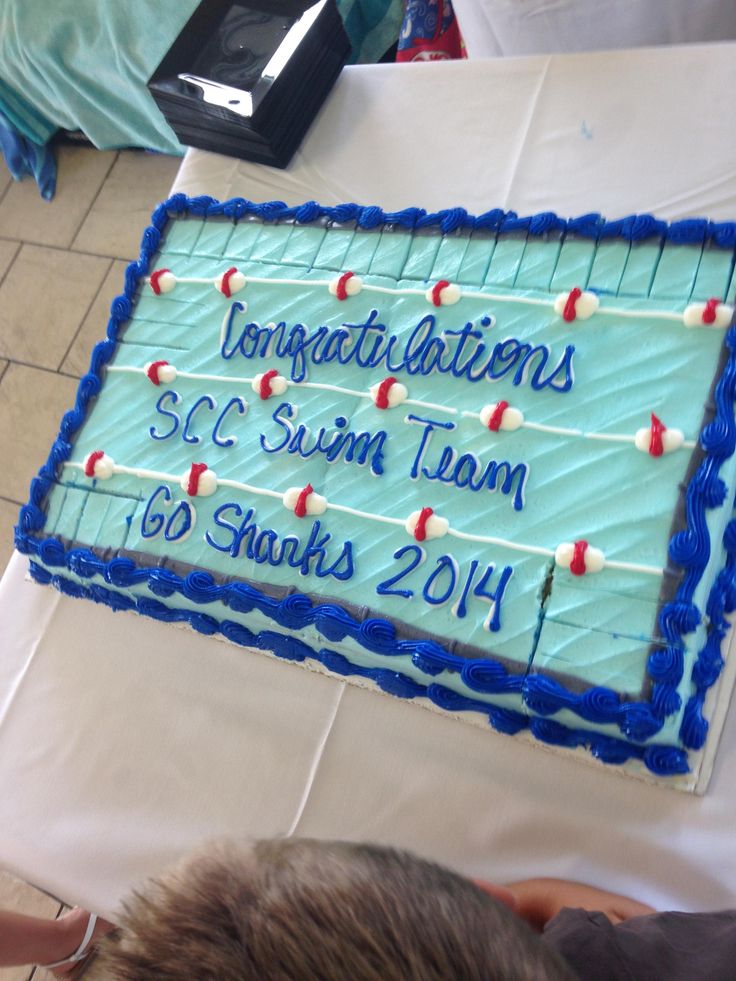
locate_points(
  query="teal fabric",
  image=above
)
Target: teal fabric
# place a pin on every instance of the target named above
(28, 123)
(372, 26)
(84, 64)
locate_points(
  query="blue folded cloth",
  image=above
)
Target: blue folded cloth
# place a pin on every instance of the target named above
(26, 158)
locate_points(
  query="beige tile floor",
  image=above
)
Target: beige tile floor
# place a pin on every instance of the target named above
(61, 263)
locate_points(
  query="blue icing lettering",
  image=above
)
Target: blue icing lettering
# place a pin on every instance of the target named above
(442, 584)
(494, 597)
(435, 594)
(177, 526)
(360, 448)
(202, 400)
(180, 524)
(245, 538)
(418, 556)
(174, 398)
(429, 426)
(235, 403)
(462, 353)
(153, 523)
(466, 469)
(188, 433)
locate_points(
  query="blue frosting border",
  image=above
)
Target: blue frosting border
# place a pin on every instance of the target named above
(690, 548)
(661, 760)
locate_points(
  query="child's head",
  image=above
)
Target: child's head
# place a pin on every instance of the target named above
(303, 910)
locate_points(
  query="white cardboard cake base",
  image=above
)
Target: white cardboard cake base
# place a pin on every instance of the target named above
(696, 781)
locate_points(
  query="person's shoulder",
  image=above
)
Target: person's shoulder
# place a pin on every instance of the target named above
(669, 946)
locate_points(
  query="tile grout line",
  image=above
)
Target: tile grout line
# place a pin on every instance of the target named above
(10, 500)
(38, 367)
(19, 246)
(93, 202)
(9, 185)
(61, 248)
(86, 313)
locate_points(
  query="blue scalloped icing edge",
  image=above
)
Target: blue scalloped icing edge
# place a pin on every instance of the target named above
(689, 548)
(661, 760)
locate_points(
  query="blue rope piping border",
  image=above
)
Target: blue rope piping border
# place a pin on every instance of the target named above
(660, 760)
(689, 548)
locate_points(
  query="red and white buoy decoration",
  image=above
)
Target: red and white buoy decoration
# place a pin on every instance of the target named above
(160, 371)
(229, 282)
(389, 393)
(345, 285)
(425, 524)
(268, 383)
(162, 281)
(304, 501)
(577, 304)
(443, 293)
(579, 557)
(657, 439)
(501, 415)
(713, 313)
(199, 481)
(98, 465)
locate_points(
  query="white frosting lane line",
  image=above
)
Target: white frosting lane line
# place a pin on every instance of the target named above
(513, 546)
(581, 433)
(197, 376)
(319, 386)
(180, 480)
(464, 294)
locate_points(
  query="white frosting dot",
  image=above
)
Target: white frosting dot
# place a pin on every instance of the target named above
(672, 439)
(166, 372)
(585, 305)
(236, 282)
(315, 503)
(207, 483)
(278, 384)
(594, 559)
(511, 419)
(693, 315)
(353, 285)
(166, 282)
(447, 295)
(206, 486)
(396, 394)
(104, 466)
(563, 554)
(435, 526)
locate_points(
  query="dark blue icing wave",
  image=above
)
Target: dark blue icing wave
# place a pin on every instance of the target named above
(709, 663)
(661, 760)
(293, 612)
(637, 721)
(690, 549)
(632, 228)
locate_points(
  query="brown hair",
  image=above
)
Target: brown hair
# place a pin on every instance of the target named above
(304, 910)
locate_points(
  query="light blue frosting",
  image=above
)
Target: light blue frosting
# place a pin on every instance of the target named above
(597, 638)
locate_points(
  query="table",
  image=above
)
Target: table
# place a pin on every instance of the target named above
(124, 742)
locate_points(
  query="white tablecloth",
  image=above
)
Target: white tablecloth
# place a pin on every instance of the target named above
(515, 27)
(124, 742)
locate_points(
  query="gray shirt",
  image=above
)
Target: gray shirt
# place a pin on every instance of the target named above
(660, 947)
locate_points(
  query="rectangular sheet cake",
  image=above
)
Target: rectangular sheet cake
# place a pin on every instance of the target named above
(482, 462)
